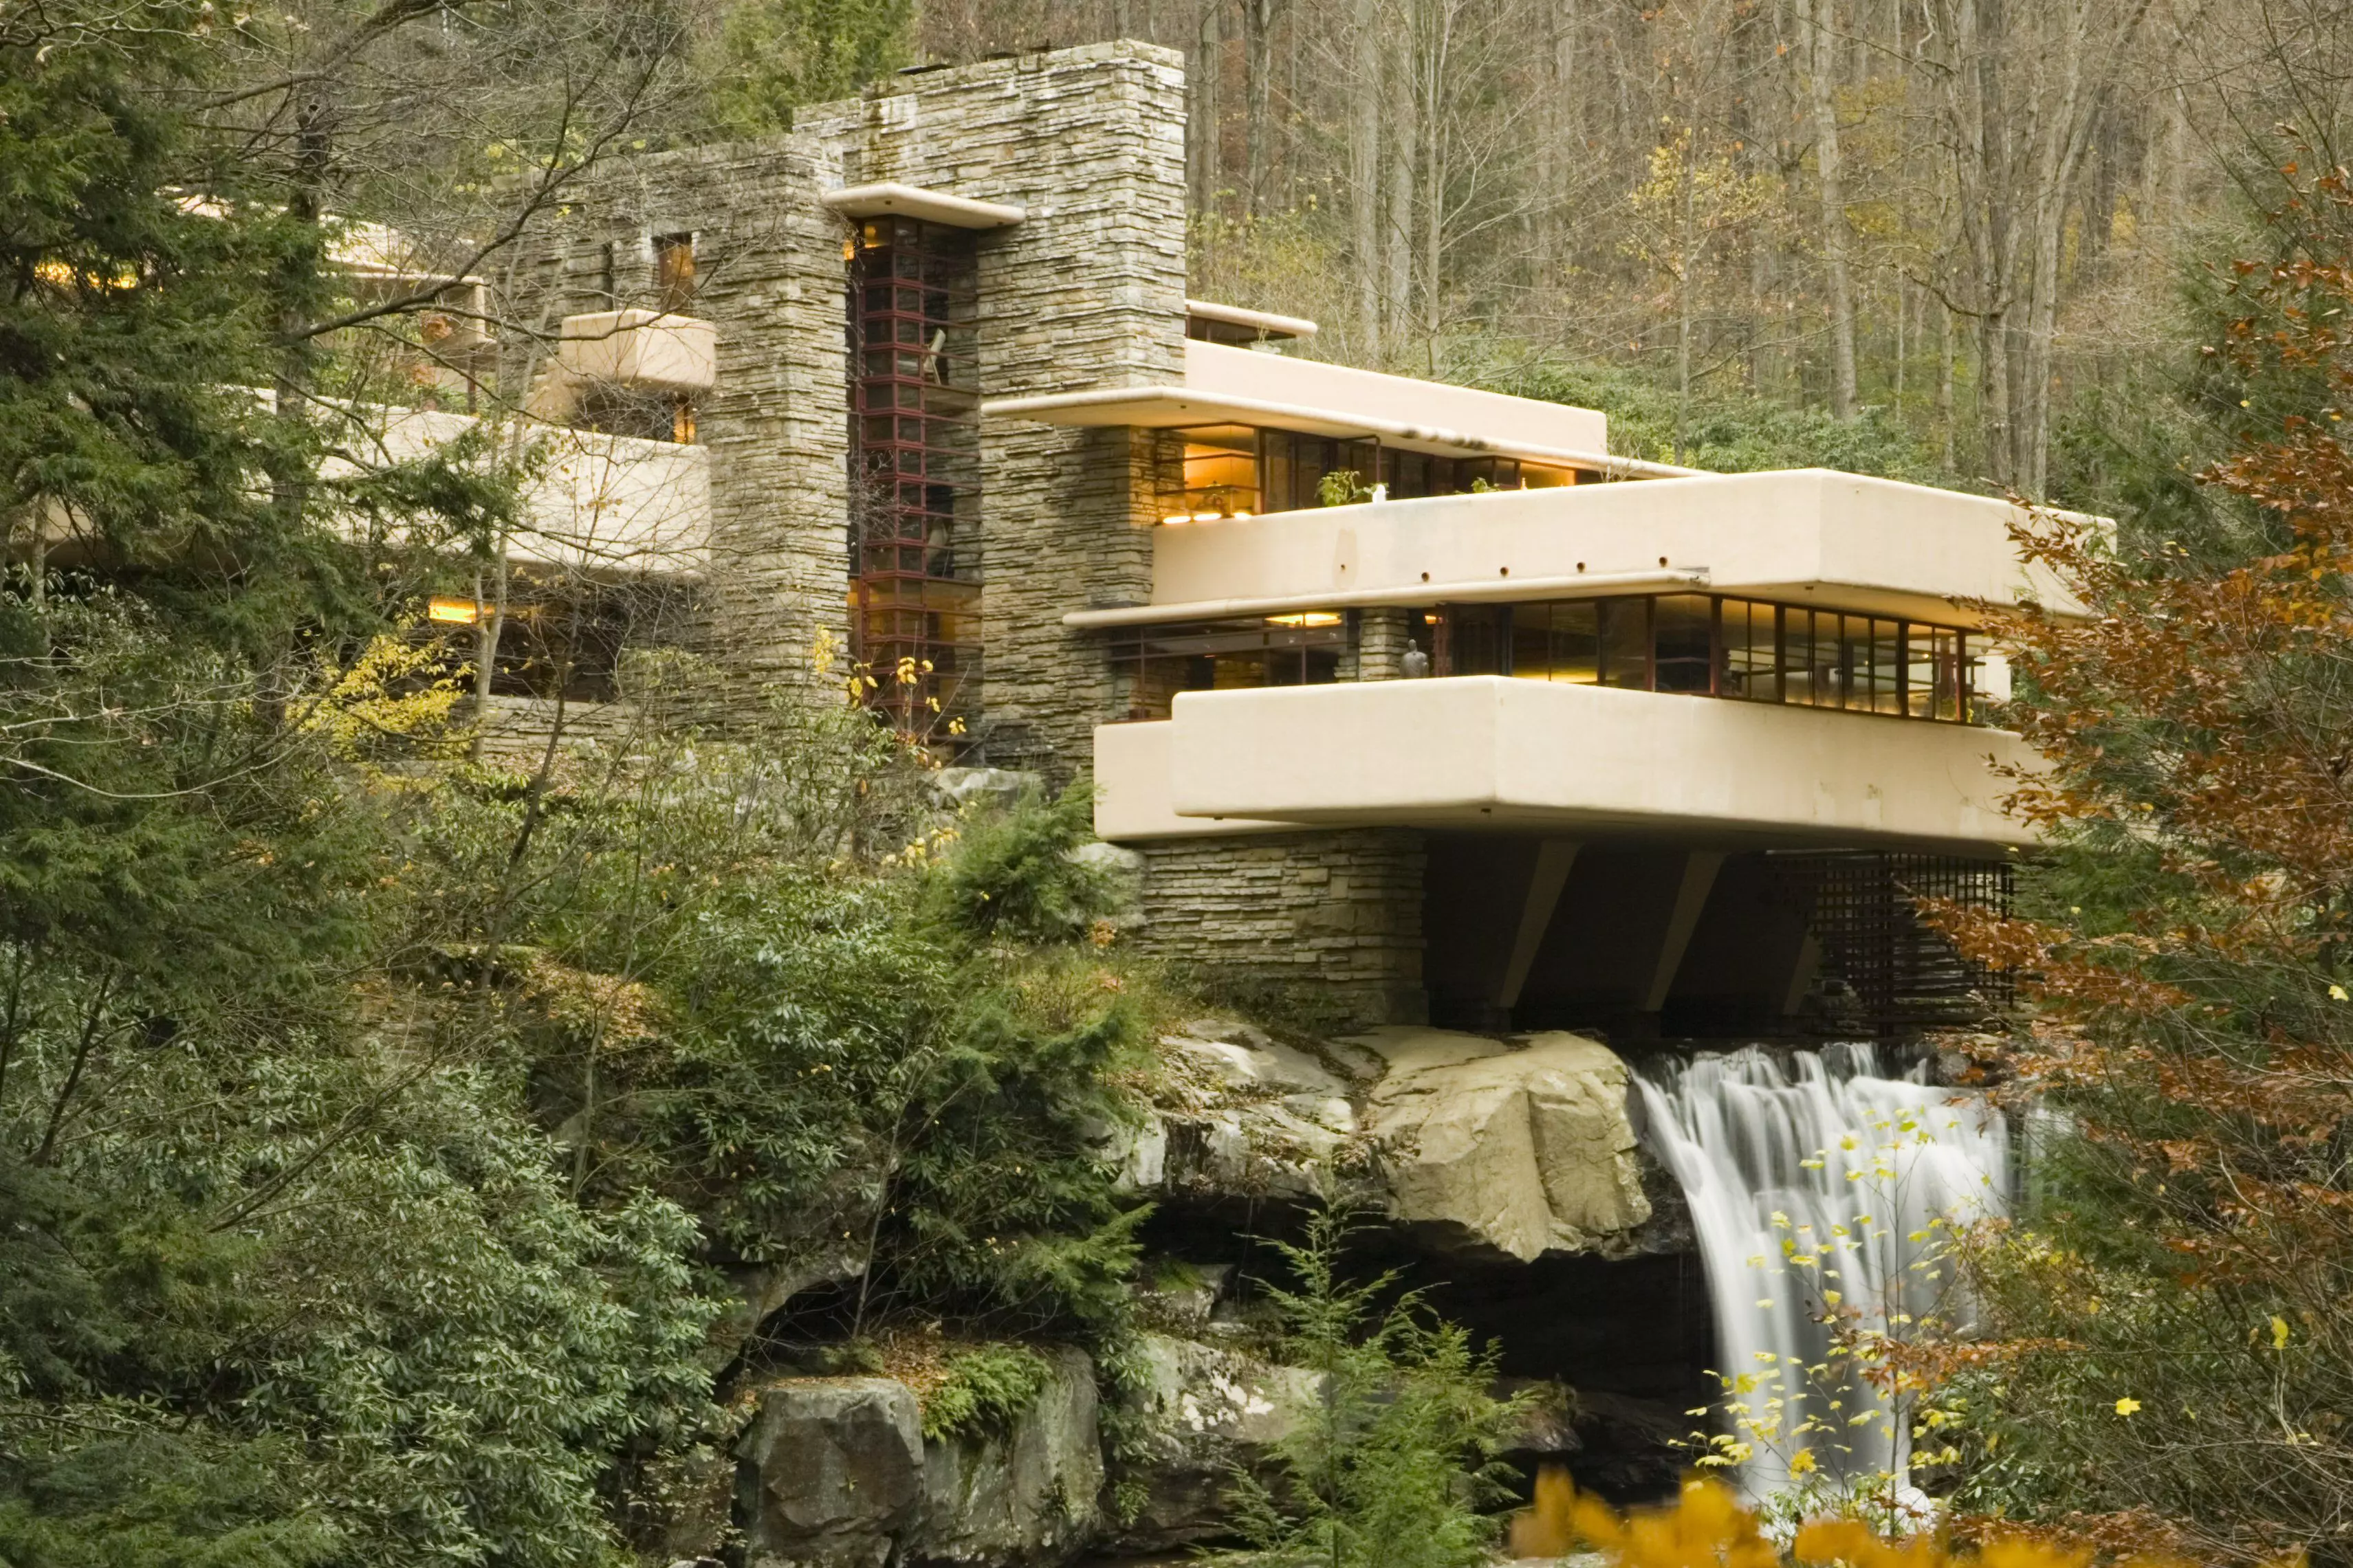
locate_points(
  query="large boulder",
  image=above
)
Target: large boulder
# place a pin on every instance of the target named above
(1205, 1414)
(1520, 1149)
(831, 1473)
(1517, 1147)
(1029, 1495)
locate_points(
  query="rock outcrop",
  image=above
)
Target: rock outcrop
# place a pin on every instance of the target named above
(1029, 1495)
(1206, 1412)
(832, 1473)
(835, 1472)
(1517, 1148)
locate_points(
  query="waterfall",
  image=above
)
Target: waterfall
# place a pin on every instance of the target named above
(1789, 1154)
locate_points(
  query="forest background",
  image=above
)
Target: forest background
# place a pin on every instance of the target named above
(380, 1141)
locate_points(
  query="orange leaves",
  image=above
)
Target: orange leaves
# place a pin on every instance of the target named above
(1852, 1543)
(1707, 1528)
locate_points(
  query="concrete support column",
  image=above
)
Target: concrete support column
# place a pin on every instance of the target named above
(1700, 867)
(1382, 635)
(1801, 976)
(1550, 875)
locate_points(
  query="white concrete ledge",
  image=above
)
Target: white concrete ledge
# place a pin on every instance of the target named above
(1228, 386)
(1265, 321)
(1173, 407)
(891, 198)
(599, 504)
(1488, 752)
(1489, 591)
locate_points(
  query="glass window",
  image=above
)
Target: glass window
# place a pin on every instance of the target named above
(1558, 641)
(1478, 639)
(1682, 641)
(1626, 643)
(674, 269)
(1220, 471)
(1752, 668)
(1801, 677)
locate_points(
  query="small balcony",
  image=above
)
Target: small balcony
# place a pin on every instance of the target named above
(1490, 752)
(645, 351)
(631, 372)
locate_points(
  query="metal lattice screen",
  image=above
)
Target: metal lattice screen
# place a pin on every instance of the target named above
(1862, 909)
(915, 463)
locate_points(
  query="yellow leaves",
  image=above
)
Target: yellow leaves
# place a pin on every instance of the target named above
(2336, 993)
(1802, 1462)
(2279, 1333)
(2128, 1405)
(1705, 1529)
(396, 689)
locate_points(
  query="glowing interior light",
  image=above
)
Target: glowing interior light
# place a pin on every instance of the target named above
(457, 612)
(1240, 516)
(1306, 618)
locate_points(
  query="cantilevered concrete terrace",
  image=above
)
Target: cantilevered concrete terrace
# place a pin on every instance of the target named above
(1855, 600)
(1809, 536)
(1488, 753)
(1226, 388)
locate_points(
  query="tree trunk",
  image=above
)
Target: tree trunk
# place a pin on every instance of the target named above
(1944, 382)
(1201, 132)
(1821, 72)
(1258, 62)
(1365, 172)
(1397, 231)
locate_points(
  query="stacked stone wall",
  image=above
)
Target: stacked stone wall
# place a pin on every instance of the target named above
(770, 277)
(1329, 923)
(1087, 291)
(1383, 636)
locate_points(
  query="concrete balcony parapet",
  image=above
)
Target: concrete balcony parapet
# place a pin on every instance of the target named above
(1492, 753)
(642, 351)
(607, 505)
(1805, 536)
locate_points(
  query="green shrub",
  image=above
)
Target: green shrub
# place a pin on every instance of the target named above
(1393, 1464)
(985, 1391)
(1012, 874)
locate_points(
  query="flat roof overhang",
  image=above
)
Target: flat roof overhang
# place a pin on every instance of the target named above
(889, 198)
(1488, 752)
(1173, 408)
(1262, 321)
(1803, 536)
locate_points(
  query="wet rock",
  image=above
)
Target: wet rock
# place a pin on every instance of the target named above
(1029, 1495)
(1547, 1427)
(831, 1473)
(1518, 1149)
(1206, 1413)
(1634, 1450)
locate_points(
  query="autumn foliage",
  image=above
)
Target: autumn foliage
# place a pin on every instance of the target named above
(2167, 1332)
(1707, 1527)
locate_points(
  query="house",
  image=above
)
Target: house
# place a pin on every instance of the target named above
(1414, 701)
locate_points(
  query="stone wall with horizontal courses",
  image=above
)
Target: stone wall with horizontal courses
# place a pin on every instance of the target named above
(769, 276)
(1087, 291)
(1329, 922)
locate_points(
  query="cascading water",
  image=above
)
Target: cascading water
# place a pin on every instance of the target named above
(1817, 1181)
